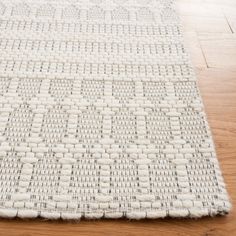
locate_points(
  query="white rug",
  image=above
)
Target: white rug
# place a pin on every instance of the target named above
(100, 114)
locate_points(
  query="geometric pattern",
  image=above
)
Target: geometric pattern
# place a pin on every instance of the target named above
(100, 114)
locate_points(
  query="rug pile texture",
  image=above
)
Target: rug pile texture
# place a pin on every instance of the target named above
(100, 114)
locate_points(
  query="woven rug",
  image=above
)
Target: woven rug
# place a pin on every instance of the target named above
(100, 114)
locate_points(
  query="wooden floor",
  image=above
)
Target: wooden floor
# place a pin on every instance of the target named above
(210, 32)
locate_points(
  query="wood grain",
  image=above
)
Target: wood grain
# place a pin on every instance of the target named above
(212, 45)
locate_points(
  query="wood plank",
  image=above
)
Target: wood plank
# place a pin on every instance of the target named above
(191, 8)
(192, 43)
(232, 23)
(220, 2)
(230, 14)
(220, 53)
(205, 24)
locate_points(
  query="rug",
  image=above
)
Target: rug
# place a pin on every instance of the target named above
(101, 115)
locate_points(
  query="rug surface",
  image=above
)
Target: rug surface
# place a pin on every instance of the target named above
(100, 114)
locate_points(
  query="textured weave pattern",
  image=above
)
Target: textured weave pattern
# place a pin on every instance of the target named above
(100, 114)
